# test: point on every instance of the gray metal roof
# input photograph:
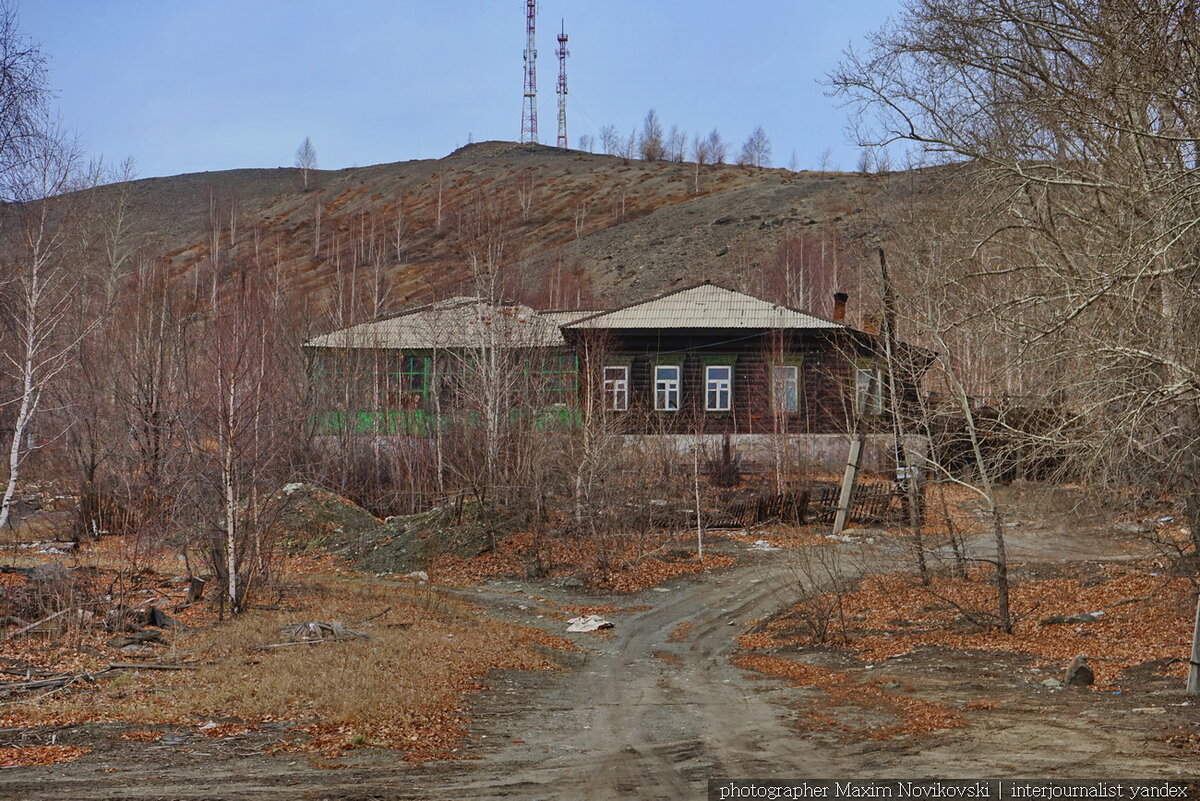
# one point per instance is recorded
(704, 306)
(564, 316)
(457, 323)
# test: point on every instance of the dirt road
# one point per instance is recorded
(647, 716)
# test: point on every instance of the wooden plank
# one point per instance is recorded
(37, 623)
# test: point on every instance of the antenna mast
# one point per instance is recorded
(529, 109)
(562, 87)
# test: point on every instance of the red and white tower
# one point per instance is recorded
(562, 87)
(529, 109)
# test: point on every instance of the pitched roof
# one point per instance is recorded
(461, 322)
(704, 306)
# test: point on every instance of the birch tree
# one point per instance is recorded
(42, 277)
(306, 159)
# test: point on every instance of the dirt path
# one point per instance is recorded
(646, 716)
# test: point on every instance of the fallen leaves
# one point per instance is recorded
(141, 736)
(891, 615)
(910, 715)
(681, 632)
(620, 564)
(38, 755)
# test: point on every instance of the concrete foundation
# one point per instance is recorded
(806, 451)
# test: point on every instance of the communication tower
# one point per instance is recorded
(529, 109)
(562, 86)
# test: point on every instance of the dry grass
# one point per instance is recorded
(404, 688)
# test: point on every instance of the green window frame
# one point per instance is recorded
(562, 379)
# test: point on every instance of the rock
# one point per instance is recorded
(1132, 527)
(1078, 617)
(137, 649)
(1078, 673)
(418, 575)
(1150, 710)
(571, 583)
(1053, 684)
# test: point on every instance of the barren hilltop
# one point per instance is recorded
(567, 228)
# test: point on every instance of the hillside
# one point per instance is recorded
(569, 227)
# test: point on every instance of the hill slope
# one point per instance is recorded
(569, 228)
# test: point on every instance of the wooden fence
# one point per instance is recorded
(877, 504)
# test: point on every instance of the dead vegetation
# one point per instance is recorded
(402, 686)
(1129, 617)
(624, 565)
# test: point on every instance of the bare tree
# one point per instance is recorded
(1077, 122)
(718, 149)
(610, 140)
(42, 289)
(700, 156)
(676, 147)
(756, 150)
(651, 144)
(306, 159)
(587, 143)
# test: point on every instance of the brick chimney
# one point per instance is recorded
(839, 306)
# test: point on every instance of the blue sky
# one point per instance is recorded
(219, 84)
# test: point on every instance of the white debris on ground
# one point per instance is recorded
(585, 623)
(51, 548)
(765, 545)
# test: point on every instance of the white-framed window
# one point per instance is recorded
(785, 387)
(718, 387)
(868, 390)
(616, 388)
(666, 387)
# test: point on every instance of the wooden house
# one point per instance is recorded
(692, 365)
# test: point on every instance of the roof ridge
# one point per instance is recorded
(746, 295)
(635, 304)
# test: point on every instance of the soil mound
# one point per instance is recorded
(314, 517)
(410, 542)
